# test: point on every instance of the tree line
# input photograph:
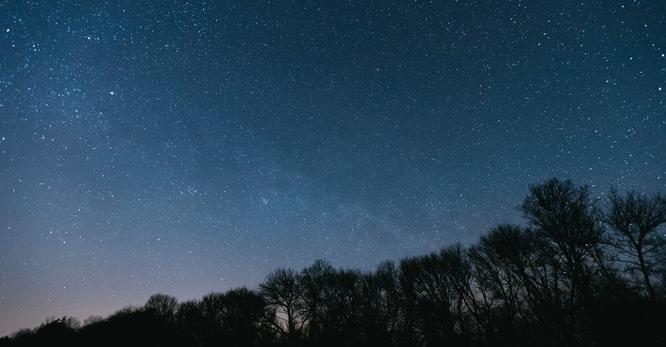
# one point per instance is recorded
(579, 272)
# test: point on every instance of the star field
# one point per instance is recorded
(188, 147)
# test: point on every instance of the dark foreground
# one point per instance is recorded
(582, 274)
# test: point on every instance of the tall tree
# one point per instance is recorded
(313, 282)
(635, 219)
(283, 294)
(244, 311)
(562, 214)
(381, 304)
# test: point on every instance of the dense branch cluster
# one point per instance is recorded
(579, 273)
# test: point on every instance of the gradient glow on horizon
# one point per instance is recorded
(189, 147)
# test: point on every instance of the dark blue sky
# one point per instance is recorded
(186, 147)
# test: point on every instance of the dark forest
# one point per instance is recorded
(579, 272)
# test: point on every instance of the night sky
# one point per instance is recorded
(189, 147)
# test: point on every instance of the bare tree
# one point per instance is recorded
(243, 313)
(162, 305)
(635, 219)
(562, 214)
(283, 295)
(381, 304)
(433, 306)
(313, 281)
(499, 289)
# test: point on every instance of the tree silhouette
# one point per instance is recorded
(313, 282)
(575, 275)
(164, 306)
(635, 220)
(242, 317)
(283, 294)
(562, 215)
(381, 305)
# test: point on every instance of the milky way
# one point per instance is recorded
(188, 147)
